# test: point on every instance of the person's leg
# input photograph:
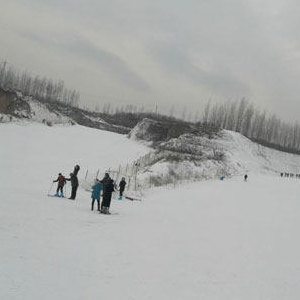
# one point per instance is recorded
(108, 203)
(93, 201)
(104, 203)
(72, 193)
(75, 191)
(98, 205)
(120, 195)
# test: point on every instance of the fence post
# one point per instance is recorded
(118, 174)
(129, 183)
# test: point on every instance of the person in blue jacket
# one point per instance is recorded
(97, 188)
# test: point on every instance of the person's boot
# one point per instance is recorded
(62, 195)
(98, 207)
(120, 198)
(56, 195)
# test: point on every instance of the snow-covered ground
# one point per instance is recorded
(208, 240)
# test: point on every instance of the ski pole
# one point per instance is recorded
(50, 188)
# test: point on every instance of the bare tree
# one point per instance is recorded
(206, 112)
(247, 122)
(240, 114)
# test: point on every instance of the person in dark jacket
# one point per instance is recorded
(76, 170)
(122, 185)
(60, 186)
(107, 193)
(105, 180)
(245, 177)
(74, 183)
(97, 188)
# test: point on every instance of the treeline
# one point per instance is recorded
(240, 116)
(130, 119)
(41, 88)
(267, 129)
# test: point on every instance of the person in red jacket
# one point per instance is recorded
(61, 182)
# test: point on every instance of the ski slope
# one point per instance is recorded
(209, 240)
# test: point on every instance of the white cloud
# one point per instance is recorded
(165, 52)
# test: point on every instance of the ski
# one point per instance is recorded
(111, 213)
(132, 199)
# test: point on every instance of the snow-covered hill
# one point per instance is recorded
(15, 107)
(213, 240)
(198, 156)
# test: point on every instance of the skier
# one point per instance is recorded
(76, 170)
(122, 185)
(74, 183)
(245, 177)
(97, 188)
(61, 182)
(107, 193)
(105, 180)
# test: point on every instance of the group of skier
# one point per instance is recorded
(104, 187)
(289, 175)
(62, 181)
(108, 186)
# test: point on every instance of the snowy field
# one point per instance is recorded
(211, 240)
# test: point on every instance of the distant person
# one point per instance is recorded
(222, 178)
(97, 188)
(60, 186)
(245, 177)
(76, 170)
(107, 193)
(122, 185)
(74, 183)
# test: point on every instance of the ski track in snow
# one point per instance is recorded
(208, 240)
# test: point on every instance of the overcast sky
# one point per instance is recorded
(164, 52)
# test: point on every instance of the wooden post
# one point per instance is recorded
(135, 177)
(118, 174)
(129, 183)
